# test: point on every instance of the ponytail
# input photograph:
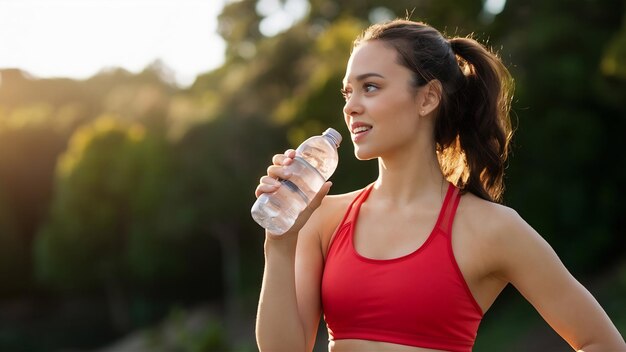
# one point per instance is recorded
(479, 148)
(473, 128)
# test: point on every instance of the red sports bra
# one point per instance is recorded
(420, 299)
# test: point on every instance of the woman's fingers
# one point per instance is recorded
(266, 185)
(270, 182)
(278, 159)
(290, 153)
(284, 159)
(277, 171)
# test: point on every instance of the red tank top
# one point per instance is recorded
(420, 299)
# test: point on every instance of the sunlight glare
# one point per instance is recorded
(280, 16)
(78, 38)
(494, 7)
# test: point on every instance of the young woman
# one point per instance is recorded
(413, 261)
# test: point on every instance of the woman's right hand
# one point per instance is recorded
(270, 183)
(278, 170)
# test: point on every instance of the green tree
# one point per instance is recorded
(564, 178)
(29, 146)
(108, 187)
(216, 164)
(12, 260)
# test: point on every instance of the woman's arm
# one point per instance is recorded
(531, 265)
(289, 309)
(278, 324)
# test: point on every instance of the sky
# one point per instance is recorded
(79, 38)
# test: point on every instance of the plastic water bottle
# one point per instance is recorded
(316, 160)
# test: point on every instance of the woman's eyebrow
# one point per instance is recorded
(364, 76)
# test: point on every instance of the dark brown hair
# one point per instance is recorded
(473, 127)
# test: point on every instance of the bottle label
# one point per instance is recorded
(294, 188)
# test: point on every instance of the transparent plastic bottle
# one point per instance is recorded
(316, 160)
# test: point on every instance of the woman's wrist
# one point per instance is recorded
(284, 242)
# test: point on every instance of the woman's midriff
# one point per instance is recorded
(372, 346)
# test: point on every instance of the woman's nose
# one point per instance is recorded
(352, 106)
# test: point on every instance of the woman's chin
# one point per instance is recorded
(363, 155)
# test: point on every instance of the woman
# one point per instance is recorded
(413, 261)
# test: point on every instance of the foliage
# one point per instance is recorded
(125, 186)
(91, 211)
(29, 145)
(12, 258)
(567, 141)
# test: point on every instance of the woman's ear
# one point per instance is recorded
(431, 97)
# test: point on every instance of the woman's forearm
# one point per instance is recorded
(278, 324)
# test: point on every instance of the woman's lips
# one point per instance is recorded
(360, 131)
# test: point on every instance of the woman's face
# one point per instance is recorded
(381, 109)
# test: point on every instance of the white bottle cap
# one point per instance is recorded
(334, 135)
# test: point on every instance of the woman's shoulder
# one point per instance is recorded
(334, 206)
(493, 235)
(328, 216)
(334, 201)
(489, 219)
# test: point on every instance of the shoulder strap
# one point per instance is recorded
(355, 206)
(351, 213)
(448, 209)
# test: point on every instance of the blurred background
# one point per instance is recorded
(126, 186)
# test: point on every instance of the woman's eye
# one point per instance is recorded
(368, 87)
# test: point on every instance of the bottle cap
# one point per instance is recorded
(334, 135)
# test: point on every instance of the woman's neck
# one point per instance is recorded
(410, 176)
